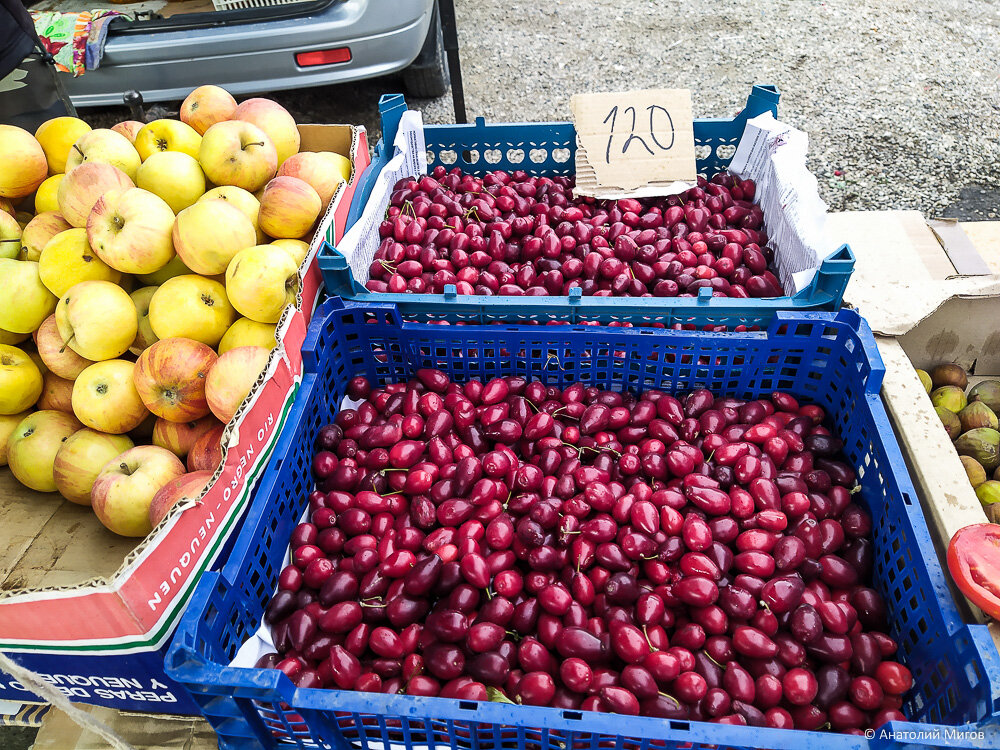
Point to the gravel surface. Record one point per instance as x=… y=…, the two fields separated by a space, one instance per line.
x=901 y=100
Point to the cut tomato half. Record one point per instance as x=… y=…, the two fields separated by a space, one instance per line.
x=974 y=562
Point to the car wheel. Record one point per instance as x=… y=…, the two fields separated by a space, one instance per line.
x=427 y=77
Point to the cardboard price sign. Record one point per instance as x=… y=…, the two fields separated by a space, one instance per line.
x=638 y=143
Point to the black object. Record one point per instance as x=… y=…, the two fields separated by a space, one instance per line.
x=17 y=35
x=31 y=91
x=133 y=100
x=449 y=30
x=427 y=76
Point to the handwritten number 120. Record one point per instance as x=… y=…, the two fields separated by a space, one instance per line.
x=652 y=109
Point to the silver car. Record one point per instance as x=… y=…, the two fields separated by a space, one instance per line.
x=175 y=45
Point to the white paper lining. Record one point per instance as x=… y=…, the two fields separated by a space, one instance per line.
x=360 y=242
x=774 y=156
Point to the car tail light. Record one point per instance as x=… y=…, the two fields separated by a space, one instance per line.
x=323 y=57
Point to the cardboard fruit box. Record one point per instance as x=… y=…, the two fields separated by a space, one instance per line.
x=931 y=293
x=89 y=612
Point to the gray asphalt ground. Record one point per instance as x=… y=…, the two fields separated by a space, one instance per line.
x=901 y=100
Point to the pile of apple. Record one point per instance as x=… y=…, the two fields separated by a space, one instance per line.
x=143 y=269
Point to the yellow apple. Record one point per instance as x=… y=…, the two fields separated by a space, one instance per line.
x=20 y=380
x=68 y=259
x=244 y=200
x=232 y=377
x=8 y=422
x=179 y=437
x=207 y=105
x=191 y=307
x=19 y=281
x=260 y=281
x=13 y=339
x=47 y=195
x=238 y=153
x=7 y=207
x=174 y=176
x=57 y=137
x=296 y=249
x=175 y=267
x=145 y=336
x=56 y=356
x=130 y=230
x=107 y=147
x=10 y=236
x=125 y=486
x=274 y=120
x=170 y=377
x=207 y=235
x=321 y=169
x=39 y=231
x=289 y=208
x=80 y=459
x=246 y=332
x=343 y=164
x=97 y=320
x=167 y=135
x=22 y=162
x=32 y=447
x=57 y=393
x=186 y=487
x=81 y=189
x=129 y=128
x=105 y=398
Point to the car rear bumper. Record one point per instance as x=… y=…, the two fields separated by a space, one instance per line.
x=384 y=36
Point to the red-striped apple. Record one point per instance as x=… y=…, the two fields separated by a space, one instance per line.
x=289 y=208
x=321 y=169
x=81 y=189
x=207 y=105
x=232 y=377
x=57 y=393
x=207 y=452
x=180 y=437
x=39 y=231
x=274 y=120
x=58 y=357
x=186 y=487
x=170 y=378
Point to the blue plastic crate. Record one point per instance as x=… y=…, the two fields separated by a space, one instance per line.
x=824 y=358
x=549 y=149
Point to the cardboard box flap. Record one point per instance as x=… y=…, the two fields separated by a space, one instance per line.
x=959 y=247
x=902 y=274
